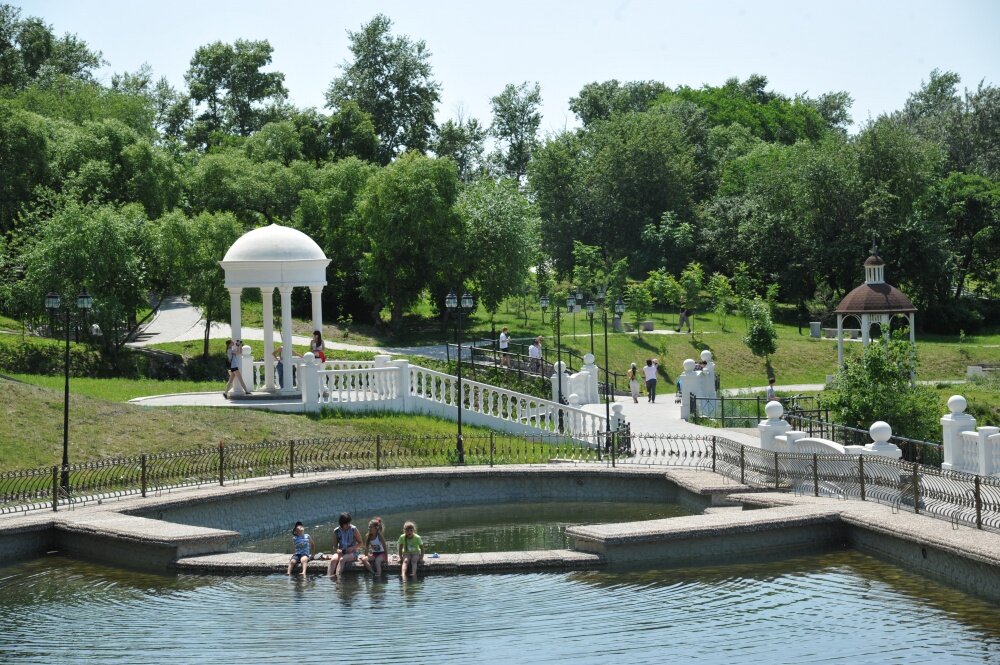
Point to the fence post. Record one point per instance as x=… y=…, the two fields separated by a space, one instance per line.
x=776 y=478
x=55 y=489
x=222 y=463
x=979 y=505
x=916 y=489
x=815 y=474
x=722 y=410
x=291 y=458
x=757 y=398
x=378 y=452
x=743 y=466
x=492 y=448
x=713 y=453
x=142 y=476
x=861 y=474
x=614 y=444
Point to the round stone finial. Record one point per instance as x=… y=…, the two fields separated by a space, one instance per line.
x=774 y=410
x=588 y=359
x=880 y=431
x=957 y=404
x=689 y=365
x=617 y=409
x=706 y=355
x=308 y=357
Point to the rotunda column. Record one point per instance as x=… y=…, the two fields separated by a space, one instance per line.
x=267 y=304
x=235 y=313
x=866 y=323
x=316 y=290
x=840 y=340
x=286 y=338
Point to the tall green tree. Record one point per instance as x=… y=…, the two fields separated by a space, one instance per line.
x=599 y=101
x=390 y=79
x=463 y=141
x=500 y=238
x=516 y=119
x=229 y=83
x=407 y=212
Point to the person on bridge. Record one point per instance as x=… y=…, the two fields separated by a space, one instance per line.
x=504 y=347
x=649 y=371
x=633 y=382
x=535 y=354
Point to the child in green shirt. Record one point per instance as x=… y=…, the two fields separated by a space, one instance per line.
x=411 y=550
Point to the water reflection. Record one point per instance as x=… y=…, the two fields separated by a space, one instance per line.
x=840 y=607
x=512 y=527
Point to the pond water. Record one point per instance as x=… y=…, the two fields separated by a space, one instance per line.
x=841 y=607
x=512 y=527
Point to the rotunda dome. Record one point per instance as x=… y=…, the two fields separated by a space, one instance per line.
x=274 y=243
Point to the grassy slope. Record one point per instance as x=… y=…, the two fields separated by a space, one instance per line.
x=31 y=421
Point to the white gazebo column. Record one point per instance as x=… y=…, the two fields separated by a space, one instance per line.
x=913 y=331
x=316 y=290
x=266 y=294
x=235 y=313
x=840 y=340
x=866 y=323
x=286 y=337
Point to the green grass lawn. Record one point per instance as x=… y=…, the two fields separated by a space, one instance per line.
x=102 y=427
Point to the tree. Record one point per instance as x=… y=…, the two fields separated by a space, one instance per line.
x=390 y=79
x=29 y=51
x=598 y=101
x=501 y=238
x=352 y=133
x=515 y=125
x=722 y=295
x=24 y=160
x=640 y=304
x=228 y=80
x=692 y=281
x=877 y=386
x=666 y=291
x=407 y=212
x=213 y=235
x=462 y=140
x=99 y=247
x=761 y=337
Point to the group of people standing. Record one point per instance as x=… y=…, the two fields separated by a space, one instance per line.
x=234 y=350
x=371 y=550
x=649 y=371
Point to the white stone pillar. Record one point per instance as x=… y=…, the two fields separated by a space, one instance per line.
x=952 y=426
x=308 y=381
x=880 y=433
x=866 y=323
x=235 y=313
x=286 y=338
x=840 y=340
x=574 y=420
x=316 y=291
x=403 y=384
x=558 y=369
x=773 y=427
x=616 y=417
x=592 y=393
x=267 y=306
x=689 y=380
x=987 y=439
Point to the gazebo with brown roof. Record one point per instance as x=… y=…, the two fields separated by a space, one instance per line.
x=874 y=302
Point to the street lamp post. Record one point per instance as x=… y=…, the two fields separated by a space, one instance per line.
x=53 y=302
x=559 y=372
x=545 y=306
x=571 y=307
x=619 y=310
x=590 y=315
x=453 y=305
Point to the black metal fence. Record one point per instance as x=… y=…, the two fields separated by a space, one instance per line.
x=958 y=497
x=93 y=481
x=749 y=411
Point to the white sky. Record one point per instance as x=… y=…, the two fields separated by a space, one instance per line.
x=878 y=51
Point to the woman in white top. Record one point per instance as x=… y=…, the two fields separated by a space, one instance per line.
x=633 y=382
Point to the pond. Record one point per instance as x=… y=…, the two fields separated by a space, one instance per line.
x=511 y=527
x=840 y=607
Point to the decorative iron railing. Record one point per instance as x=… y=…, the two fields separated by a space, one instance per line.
x=958 y=497
x=749 y=411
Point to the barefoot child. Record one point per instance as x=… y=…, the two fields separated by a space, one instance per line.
x=303 y=549
x=347 y=539
x=411 y=550
x=375 y=547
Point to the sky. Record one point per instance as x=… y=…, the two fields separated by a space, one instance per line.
x=878 y=51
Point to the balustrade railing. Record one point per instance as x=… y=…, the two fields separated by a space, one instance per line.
x=914 y=450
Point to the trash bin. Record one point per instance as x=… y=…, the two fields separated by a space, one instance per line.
x=816 y=329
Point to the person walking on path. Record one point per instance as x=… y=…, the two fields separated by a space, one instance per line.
x=233 y=351
x=504 y=346
x=771 y=395
x=633 y=382
x=649 y=371
x=684 y=319
x=535 y=355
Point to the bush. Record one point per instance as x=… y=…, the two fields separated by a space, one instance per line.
x=34 y=355
x=761 y=338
